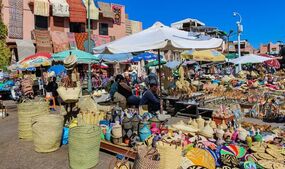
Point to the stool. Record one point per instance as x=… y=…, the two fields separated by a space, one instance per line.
x=51 y=98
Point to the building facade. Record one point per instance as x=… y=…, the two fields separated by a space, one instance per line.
x=245 y=47
x=24 y=17
x=270 y=48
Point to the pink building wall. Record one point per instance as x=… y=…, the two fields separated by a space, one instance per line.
x=118 y=31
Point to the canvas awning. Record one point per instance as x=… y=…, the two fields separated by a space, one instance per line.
x=158 y=36
x=251 y=58
x=60 y=8
x=41 y=7
x=94 y=11
x=25 y=48
x=77 y=11
x=106 y=10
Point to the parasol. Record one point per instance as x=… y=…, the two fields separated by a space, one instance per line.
x=210 y=55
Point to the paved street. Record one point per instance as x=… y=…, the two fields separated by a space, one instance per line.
x=18 y=154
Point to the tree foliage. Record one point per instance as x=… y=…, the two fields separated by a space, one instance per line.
x=5 y=53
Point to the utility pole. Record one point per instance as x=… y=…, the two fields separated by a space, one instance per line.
x=89 y=50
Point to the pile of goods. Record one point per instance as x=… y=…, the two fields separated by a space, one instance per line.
x=27 y=86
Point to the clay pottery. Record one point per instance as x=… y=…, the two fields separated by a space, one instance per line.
x=242 y=133
x=190 y=121
x=220 y=141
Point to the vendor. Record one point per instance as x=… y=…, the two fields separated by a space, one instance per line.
x=150 y=98
x=122 y=93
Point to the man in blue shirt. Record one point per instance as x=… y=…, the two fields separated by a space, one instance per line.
x=150 y=98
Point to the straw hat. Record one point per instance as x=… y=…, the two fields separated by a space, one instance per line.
x=69 y=62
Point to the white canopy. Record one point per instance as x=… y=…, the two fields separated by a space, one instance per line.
x=251 y=58
x=158 y=36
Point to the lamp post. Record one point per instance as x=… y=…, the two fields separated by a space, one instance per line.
x=89 y=50
x=239 y=31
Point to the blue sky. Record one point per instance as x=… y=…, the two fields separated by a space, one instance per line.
x=263 y=20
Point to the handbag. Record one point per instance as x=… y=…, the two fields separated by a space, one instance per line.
x=69 y=95
x=146 y=158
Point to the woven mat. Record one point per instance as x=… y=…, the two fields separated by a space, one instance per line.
x=43 y=41
x=80 y=38
x=59 y=41
x=106 y=9
x=16 y=19
x=100 y=39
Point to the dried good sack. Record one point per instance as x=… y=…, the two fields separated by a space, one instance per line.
x=26 y=111
x=84 y=145
x=47 y=132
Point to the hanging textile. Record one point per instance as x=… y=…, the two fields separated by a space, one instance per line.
x=25 y=48
x=16 y=19
x=71 y=40
x=59 y=41
x=117 y=9
x=60 y=8
x=43 y=41
x=77 y=11
x=106 y=9
x=41 y=7
x=80 y=39
x=100 y=39
x=94 y=11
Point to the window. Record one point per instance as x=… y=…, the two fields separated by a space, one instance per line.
x=103 y=29
x=41 y=22
x=77 y=27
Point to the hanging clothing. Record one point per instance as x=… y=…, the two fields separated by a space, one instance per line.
x=94 y=11
x=59 y=41
x=60 y=8
x=41 y=8
x=77 y=11
x=43 y=41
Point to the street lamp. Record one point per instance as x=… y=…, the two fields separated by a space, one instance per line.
x=239 y=31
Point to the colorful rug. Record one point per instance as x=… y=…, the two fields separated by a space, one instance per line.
x=25 y=48
x=60 y=8
x=100 y=39
x=106 y=9
x=43 y=41
x=41 y=7
x=80 y=38
x=77 y=11
x=16 y=19
x=117 y=9
x=71 y=40
x=59 y=41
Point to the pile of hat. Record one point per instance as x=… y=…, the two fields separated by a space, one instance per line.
x=70 y=62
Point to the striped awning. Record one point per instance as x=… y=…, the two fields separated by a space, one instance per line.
x=60 y=8
x=77 y=11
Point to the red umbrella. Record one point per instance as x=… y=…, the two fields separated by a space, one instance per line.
x=273 y=63
x=41 y=58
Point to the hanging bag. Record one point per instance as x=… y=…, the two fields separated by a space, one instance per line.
x=147 y=158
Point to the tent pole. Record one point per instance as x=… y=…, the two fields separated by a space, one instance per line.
x=160 y=86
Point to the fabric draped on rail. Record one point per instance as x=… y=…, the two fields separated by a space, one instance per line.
x=77 y=11
x=60 y=8
x=106 y=9
x=94 y=11
x=59 y=41
x=81 y=38
x=41 y=7
x=43 y=41
x=16 y=19
x=71 y=40
x=25 y=48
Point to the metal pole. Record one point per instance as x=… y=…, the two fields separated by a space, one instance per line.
x=89 y=50
x=239 y=53
x=160 y=86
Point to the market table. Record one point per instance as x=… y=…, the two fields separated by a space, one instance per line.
x=117 y=149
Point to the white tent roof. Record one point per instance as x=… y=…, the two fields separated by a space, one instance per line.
x=251 y=58
x=158 y=36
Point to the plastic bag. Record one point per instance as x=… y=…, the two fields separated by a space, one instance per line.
x=65 y=136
